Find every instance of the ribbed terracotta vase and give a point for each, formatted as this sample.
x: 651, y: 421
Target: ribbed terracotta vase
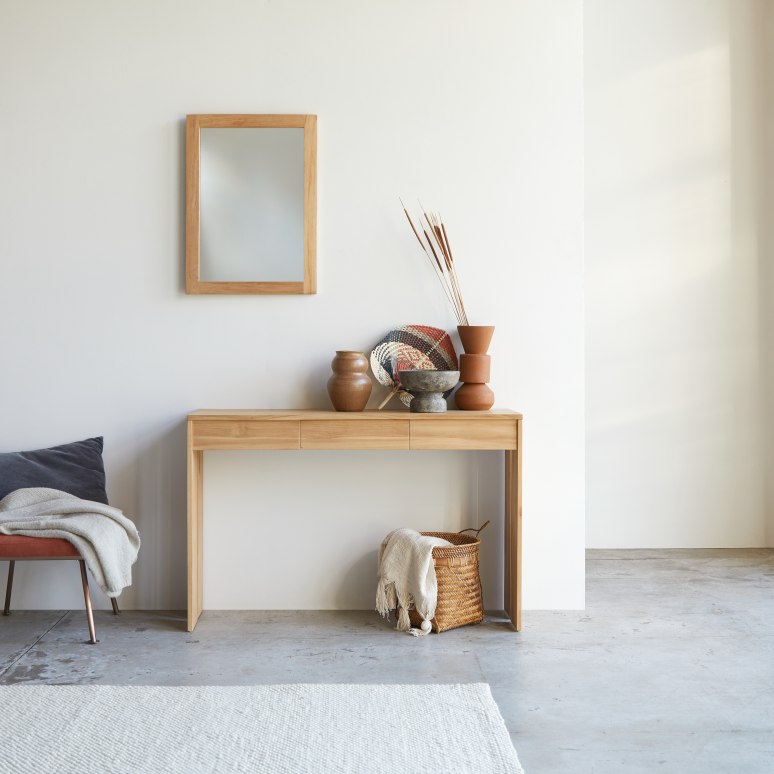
x: 475, y: 394
x: 350, y: 386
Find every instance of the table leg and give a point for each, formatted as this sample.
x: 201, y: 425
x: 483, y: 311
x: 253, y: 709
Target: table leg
x: 195, y: 525
x: 513, y: 531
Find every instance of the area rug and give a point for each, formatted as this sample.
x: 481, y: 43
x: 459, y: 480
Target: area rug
x: 364, y: 729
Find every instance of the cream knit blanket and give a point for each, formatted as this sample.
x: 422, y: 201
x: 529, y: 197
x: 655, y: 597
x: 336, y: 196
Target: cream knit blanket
x: 407, y: 577
x: 105, y: 538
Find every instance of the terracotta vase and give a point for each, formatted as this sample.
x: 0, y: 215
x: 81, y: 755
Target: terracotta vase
x: 476, y: 338
x: 475, y: 366
x: 473, y: 396
x: 350, y: 386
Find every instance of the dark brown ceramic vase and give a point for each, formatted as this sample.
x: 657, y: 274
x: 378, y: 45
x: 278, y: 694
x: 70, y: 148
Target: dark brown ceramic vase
x: 475, y: 394
x: 350, y: 386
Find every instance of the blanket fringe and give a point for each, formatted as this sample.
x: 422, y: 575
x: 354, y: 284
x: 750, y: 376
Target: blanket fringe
x: 386, y: 597
x: 406, y: 567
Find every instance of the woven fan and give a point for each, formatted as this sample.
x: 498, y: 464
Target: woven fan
x: 410, y: 346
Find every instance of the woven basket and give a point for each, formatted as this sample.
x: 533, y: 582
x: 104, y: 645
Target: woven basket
x: 459, y: 583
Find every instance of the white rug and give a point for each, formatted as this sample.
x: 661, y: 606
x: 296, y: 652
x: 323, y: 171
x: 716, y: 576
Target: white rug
x: 363, y: 729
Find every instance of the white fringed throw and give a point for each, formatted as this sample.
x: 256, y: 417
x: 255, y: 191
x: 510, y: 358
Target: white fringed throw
x: 105, y: 538
x: 407, y: 577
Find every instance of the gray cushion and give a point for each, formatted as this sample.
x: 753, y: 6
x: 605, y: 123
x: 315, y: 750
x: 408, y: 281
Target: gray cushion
x: 76, y: 468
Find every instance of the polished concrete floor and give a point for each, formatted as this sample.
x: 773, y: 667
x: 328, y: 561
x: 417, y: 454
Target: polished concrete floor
x: 669, y: 669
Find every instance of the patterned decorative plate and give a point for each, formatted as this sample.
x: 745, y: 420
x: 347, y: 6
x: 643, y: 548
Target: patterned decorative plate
x: 411, y: 346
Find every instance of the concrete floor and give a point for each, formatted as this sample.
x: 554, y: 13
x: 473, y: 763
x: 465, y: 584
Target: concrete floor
x: 669, y: 669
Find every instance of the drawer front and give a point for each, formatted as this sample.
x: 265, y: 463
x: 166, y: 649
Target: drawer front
x: 247, y: 434
x: 463, y: 434
x: 355, y: 434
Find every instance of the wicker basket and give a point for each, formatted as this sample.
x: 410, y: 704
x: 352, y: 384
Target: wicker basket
x: 459, y: 583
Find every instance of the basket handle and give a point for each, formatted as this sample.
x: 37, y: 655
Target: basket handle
x: 473, y: 529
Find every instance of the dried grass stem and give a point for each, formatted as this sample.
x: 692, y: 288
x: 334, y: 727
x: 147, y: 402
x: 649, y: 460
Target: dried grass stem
x: 437, y: 243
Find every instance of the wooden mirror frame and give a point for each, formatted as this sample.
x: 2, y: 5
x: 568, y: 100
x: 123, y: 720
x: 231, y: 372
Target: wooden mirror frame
x: 194, y: 125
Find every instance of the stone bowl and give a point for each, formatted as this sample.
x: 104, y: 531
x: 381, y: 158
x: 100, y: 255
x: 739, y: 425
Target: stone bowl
x: 428, y: 386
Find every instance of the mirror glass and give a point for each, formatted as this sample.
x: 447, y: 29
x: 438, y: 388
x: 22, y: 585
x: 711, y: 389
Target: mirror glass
x: 251, y: 188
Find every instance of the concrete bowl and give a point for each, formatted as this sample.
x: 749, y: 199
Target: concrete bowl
x: 428, y: 386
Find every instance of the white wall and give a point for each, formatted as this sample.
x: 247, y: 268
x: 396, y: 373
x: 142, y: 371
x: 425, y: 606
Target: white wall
x: 673, y: 273
x: 766, y: 231
x: 478, y: 110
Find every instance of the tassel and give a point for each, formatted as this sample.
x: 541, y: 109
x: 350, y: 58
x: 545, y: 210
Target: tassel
x: 404, y: 622
x: 426, y: 628
x: 381, y: 599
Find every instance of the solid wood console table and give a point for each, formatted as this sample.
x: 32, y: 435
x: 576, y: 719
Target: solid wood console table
x: 379, y: 430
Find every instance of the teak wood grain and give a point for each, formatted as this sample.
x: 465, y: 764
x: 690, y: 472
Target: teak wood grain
x: 246, y: 429
x: 281, y: 415
x: 321, y: 434
x: 195, y: 472
x: 470, y: 434
x: 246, y: 434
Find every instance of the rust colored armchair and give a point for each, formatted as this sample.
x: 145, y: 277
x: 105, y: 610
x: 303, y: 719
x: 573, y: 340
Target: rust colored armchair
x: 76, y: 468
x: 15, y: 548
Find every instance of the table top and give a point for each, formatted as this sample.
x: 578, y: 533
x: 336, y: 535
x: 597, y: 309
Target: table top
x: 302, y: 414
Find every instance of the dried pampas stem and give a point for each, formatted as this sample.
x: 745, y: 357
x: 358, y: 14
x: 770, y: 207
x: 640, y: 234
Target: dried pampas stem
x: 441, y: 258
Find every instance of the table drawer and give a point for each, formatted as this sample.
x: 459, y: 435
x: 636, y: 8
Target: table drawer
x: 464, y: 434
x: 355, y: 434
x: 250, y: 434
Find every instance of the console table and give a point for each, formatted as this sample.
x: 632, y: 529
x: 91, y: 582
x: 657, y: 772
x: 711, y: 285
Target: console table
x: 229, y: 429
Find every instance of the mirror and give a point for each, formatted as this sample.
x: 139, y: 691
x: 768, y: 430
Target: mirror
x: 251, y: 203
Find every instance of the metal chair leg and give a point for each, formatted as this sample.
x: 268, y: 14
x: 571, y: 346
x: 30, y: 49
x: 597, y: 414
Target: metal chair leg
x: 87, y: 599
x: 8, y: 587
x: 114, y: 602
